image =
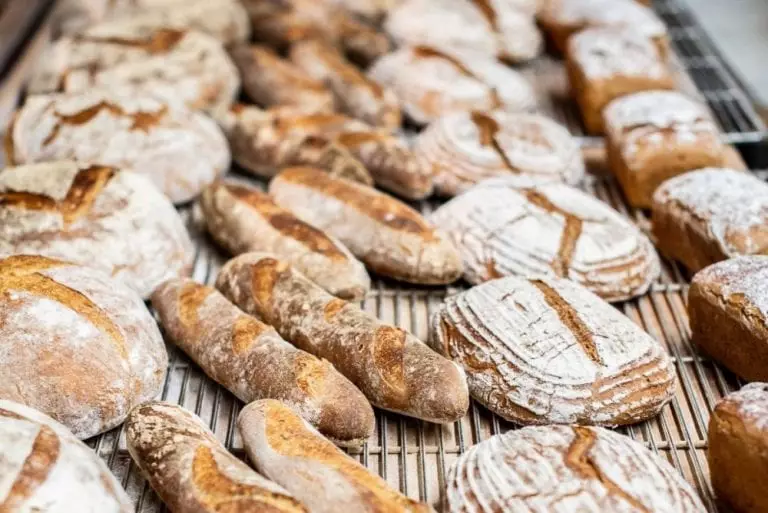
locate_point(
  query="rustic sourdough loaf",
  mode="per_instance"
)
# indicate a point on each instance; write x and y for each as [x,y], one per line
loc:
[728,310]
[709,215]
[562,469]
[292,453]
[77,345]
[176,65]
[391,367]
[547,351]
[242,219]
[98,216]
[467,147]
[389,237]
[179,150]
[45,469]
[192,471]
[738,449]
[251,360]
[430,82]
[263,142]
[518,228]
[355,94]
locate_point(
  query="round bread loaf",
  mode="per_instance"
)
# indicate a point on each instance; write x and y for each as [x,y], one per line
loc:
[177,65]
[111,220]
[562,469]
[468,147]
[179,150]
[77,345]
[431,82]
[44,469]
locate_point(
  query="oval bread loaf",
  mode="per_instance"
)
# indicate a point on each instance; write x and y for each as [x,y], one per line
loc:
[78,345]
[548,351]
[389,237]
[513,227]
[190,469]
[562,469]
[391,367]
[180,151]
[113,220]
[251,360]
[45,469]
[289,451]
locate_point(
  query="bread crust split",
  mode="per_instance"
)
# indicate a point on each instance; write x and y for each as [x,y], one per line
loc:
[390,366]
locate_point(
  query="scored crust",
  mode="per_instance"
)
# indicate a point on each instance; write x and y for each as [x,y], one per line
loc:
[564,469]
[81,347]
[112,220]
[430,83]
[547,351]
[468,147]
[524,229]
[180,151]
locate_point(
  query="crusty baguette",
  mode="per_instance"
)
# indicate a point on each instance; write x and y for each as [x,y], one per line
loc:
[251,360]
[394,369]
[243,219]
[190,469]
[355,94]
[289,451]
[270,80]
[262,146]
[391,238]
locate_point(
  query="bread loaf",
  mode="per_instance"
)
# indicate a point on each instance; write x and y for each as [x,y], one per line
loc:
[728,310]
[262,143]
[431,82]
[709,215]
[45,469]
[465,148]
[361,42]
[356,95]
[190,469]
[517,228]
[290,452]
[738,449]
[562,469]
[78,346]
[389,237]
[492,28]
[391,367]
[242,219]
[175,65]
[251,360]
[179,150]
[98,216]
[270,80]
[547,351]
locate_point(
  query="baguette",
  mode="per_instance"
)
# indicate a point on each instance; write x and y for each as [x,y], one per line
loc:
[251,360]
[356,95]
[389,237]
[242,219]
[191,471]
[394,369]
[289,451]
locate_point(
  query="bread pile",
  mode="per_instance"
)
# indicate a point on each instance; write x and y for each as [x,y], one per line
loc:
[138,106]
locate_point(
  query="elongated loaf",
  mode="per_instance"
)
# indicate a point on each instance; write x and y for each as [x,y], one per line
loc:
[393,368]
[293,454]
[389,237]
[190,469]
[251,360]
[243,219]
[45,469]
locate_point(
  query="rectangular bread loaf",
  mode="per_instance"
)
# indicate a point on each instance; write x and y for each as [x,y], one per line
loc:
[728,309]
[394,369]
[709,215]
